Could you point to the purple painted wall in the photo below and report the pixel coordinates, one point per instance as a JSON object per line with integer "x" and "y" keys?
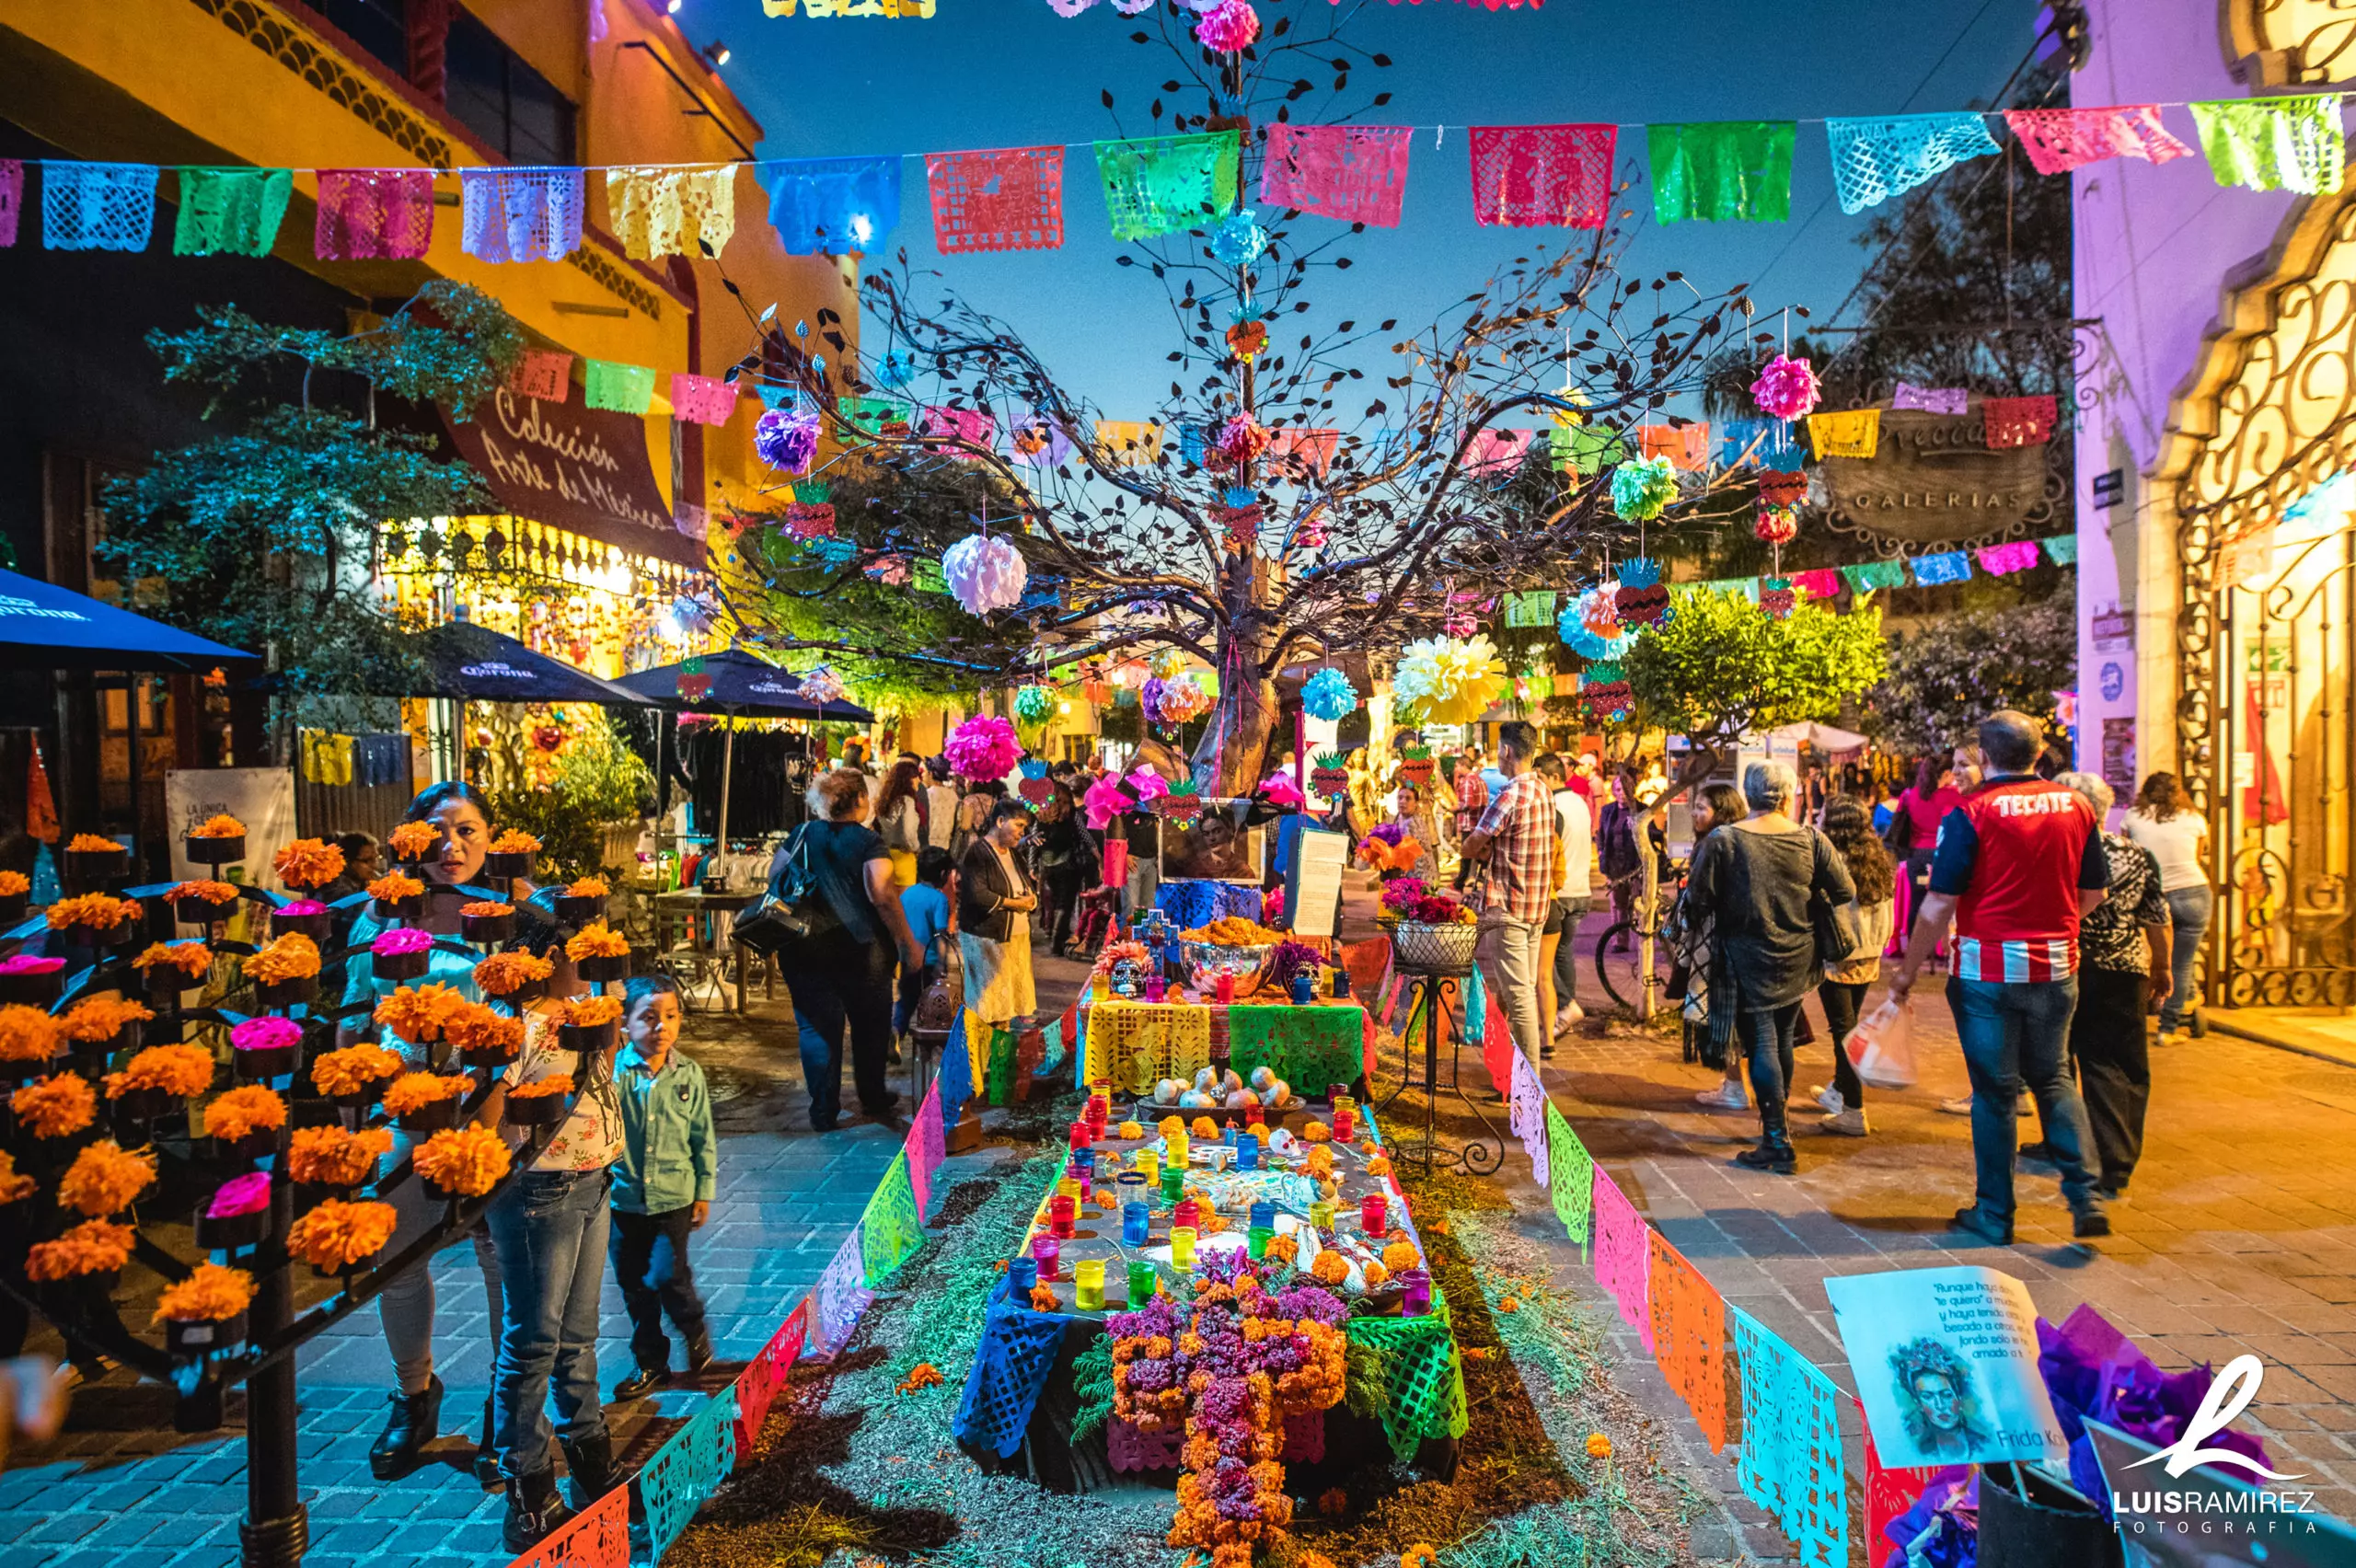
{"x": 2153, "y": 245}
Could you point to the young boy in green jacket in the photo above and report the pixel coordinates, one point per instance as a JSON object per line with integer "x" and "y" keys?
{"x": 664, "y": 1183}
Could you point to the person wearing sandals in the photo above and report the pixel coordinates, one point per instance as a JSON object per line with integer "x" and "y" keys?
{"x": 1715, "y": 806}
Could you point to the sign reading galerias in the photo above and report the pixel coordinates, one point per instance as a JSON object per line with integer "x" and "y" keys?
{"x": 1933, "y": 479}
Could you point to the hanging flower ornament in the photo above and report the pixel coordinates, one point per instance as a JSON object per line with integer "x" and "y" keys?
{"x": 821, "y": 686}
{"x": 1578, "y": 624}
{"x": 1600, "y": 610}
{"x": 1641, "y": 599}
{"x": 1184, "y": 700}
{"x": 983, "y": 747}
{"x": 1329, "y": 695}
{"x": 1787, "y": 387}
{"x": 897, "y": 368}
{"x": 1237, "y": 239}
{"x": 1605, "y": 690}
{"x": 1449, "y": 680}
{"x": 1246, "y": 338}
{"x": 1241, "y": 440}
{"x": 984, "y": 573}
{"x": 1777, "y": 525}
{"x": 1035, "y": 704}
{"x": 787, "y": 438}
{"x": 1228, "y": 26}
{"x": 1642, "y": 488}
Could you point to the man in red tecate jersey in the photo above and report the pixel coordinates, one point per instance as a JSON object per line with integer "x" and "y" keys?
{"x": 2018, "y": 862}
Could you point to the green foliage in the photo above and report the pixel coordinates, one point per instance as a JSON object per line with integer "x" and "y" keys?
{"x": 1092, "y": 1381}
{"x": 1943, "y": 678}
{"x": 1722, "y": 666}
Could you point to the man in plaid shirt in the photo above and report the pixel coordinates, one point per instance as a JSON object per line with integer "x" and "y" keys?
{"x": 1515, "y": 840}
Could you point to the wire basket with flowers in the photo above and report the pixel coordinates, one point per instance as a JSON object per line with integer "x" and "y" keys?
{"x": 1434, "y": 934}
{"x": 216, "y": 841}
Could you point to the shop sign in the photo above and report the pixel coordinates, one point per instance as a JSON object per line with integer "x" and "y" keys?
{"x": 2113, "y": 630}
{"x": 1934, "y": 480}
{"x": 580, "y": 469}
{"x": 2118, "y": 756}
{"x": 2110, "y": 488}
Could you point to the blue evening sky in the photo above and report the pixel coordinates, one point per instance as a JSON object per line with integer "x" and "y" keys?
{"x": 1011, "y": 72}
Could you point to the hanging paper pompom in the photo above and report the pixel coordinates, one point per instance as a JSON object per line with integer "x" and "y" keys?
{"x": 1183, "y": 700}
{"x": 1239, "y": 440}
{"x": 984, "y": 573}
{"x": 1150, "y": 698}
{"x": 982, "y": 748}
{"x": 1777, "y": 525}
{"x": 1309, "y": 535}
{"x": 1147, "y": 785}
{"x": 1641, "y": 600}
{"x": 1449, "y": 680}
{"x": 1246, "y": 338}
{"x": 1605, "y": 691}
{"x": 1582, "y": 641}
{"x": 897, "y": 368}
{"x": 1600, "y": 610}
{"x": 787, "y": 438}
{"x": 1104, "y": 801}
{"x": 1281, "y": 790}
{"x": 821, "y": 686}
{"x": 1329, "y": 695}
{"x": 1228, "y": 26}
{"x": 1787, "y": 387}
{"x": 1642, "y": 488}
{"x": 1035, "y": 704}
{"x": 1237, "y": 239}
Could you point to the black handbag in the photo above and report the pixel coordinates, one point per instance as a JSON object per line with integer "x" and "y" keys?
{"x": 794, "y": 912}
{"x": 1838, "y": 927}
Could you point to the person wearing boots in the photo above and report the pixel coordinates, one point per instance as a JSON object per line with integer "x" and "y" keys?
{"x": 1757, "y": 880}
{"x": 550, "y": 1226}
{"x": 664, "y": 1183}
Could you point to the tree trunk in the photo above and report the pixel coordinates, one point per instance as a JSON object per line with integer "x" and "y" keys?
{"x": 1236, "y": 745}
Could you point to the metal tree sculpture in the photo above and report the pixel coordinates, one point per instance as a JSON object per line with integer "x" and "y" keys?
{"x": 1252, "y": 520}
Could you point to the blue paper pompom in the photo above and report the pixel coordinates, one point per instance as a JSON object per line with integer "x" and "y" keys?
{"x": 1329, "y": 695}
{"x": 1239, "y": 239}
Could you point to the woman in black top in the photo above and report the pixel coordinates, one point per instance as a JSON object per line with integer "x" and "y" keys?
{"x": 1067, "y": 862}
{"x": 1757, "y": 880}
{"x": 844, "y": 976}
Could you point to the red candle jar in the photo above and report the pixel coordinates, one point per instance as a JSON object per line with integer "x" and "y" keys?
{"x": 1255, "y": 1115}
{"x": 1226, "y": 987}
{"x": 1373, "y": 1212}
{"x": 1082, "y": 1134}
{"x": 1100, "y": 1110}
{"x": 1187, "y": 1214}
{"x": 1063, "y": 1213}
{"x": 1345, "y": 1125}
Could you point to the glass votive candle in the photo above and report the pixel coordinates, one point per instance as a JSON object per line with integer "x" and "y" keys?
{"x": 1341, "y": 981}
{"x": 1247, "y": 1154}
{"x": 1226, "y": 990}
{"x": 1063, "y": 1214}
{"x": 1100, "y": 1109}
{"x": 1149, "y": 1165}
{"x": 1156, "y": 988}
{"x": 1045, "y": 1251}
{"x": 1088, "y": 1284}
{"x": 1264, "y": 1215}
{"x": 1070, "y": 1186}
{"x": 1416, "y": 1299}
{"x": 1174, "y": 1183}
{"x": 1082, "y": 1134}
{"x": 1188, "y": 1213}
{"x": 1182, "y": 1246}
{"x": 1321, "y": 1216}
{"x": 1083, "y": 1161}
{"x": 1143, "y": 1282}
{"x": 1256, "y": 1241}
{"x": 1023, "y": 1274}
{"x": 1345, "y": 1126}
{"x": 1136, "y": 1223}
{"x": 1374, "y": 1213}
{"x": 1339, "y": 1095}
{"x": 1181, "y": 1151}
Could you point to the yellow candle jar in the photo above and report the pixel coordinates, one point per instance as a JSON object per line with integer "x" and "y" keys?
{"x": 1182, "y": 1247}
{"x": 1088, "y": 1284}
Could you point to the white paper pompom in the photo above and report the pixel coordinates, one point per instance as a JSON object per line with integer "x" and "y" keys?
{"x": 985, "y": 575}
{"x": 822, "y": 685}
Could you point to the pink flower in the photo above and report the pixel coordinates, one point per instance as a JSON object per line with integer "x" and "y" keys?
{"x": 240, "y": 1194}
{"x": 982, "y": 748}
{"x": 265, "y": 1034}
{"x": 1787, "y": 387}
{"x": 302, "y": 906}
{"x": 406, "y": 940}
{"x": 30, "y": 964}
{"x": 1280, "y": 791}
{"x": 1228, "y": 26}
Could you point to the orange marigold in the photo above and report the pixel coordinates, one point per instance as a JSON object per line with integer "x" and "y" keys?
{"x": 1321, "y": 1161}
{"x": 1378, "y": 1165}
{"x": 1419, "y": 1556}
{"x": 485, "y": 908}
{"x": 1169, "y": 1125}
{"x": 211, "y": 891}
{"x": 337, "y": 1234}
{"x": 1042, "y": 1299}
{"x": 411, "y": 840}
{"x": 28, "y": 1034}
{"x": 93, "y": 844}
{"x": 597, "y": 941}
{"x": 307, "y": 862}
{"x": 584, "y": 1011}
{"x": 212, "y": 1293}
{"x": 923, "y": 1375}
{"x": 1329, "y": 1268}
{"x": 1377, "y": 1276}
{"x": 353, "y": 1069}
{"x": 99, "y": 911}
{"x": 249, "y": 1108}
{"x": 14, "y": 884}
{"x": 332, "y": 1157}
{"x": 1130, "y": 1130}
{"x": 191, "y": 958}
{"x": 1510, "y": 1304}
{"x": 183, "y": 1070}
{"x": 419, "y": 1013}
{"x": 283, "y": 958}
{"x": 104, "y": 1177}
{"x": 542, "y": 1088}
{"x": 587, "y": 887}
{"x": 1317, "y": 1133}
{"x": 514, "y": 841}
{"x": 101, "y": 1018}
{"x": 471, "y": 1026}
{"x": 1283, "y": 1249}
{"x": 93, "y": 1247}
{"x": 504, "y": 973}
{"x": 221, "y": 827}
{"x": 1599, "y": 1446}
{"x": 1400, "y": 1255}
{"x": 415, "y": 1091}
{"x": 12, "y": 1187}
{"x": 467, "y": 1160}
{"x": 53, "y": 1107}
{"x": 392, "y": 887}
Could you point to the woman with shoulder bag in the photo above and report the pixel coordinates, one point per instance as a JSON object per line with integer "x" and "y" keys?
{"x": 996, "y": 904}
{"x": 836, "y": 870}
{"x": 1769, "y": 883}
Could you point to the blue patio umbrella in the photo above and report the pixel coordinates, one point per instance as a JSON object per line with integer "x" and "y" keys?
{"x": 475, "y": 663}
{"x": 43, "y": 627}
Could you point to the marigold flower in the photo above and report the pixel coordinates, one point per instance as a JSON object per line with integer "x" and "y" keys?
{"x": 221, "y": 827}
{"x": 191, "y": 958}
{"x": 1377, "y": 1276}
{"x": 923, "y": 1375}
{"x": 503, "y": 973}
{"x": 1378, "y": 1165}
{"x": 1419, "y": 1556}
{"x": 333, "y": 1157}
{"x": 402, "y": 941}
{"x": 211, "y": 891}
{"x": 583, "y": 1012}
{"x": 289, "y": 956}
{"x": 1171, "y": 1126}
{"x": 1128, "y": 1130}
{"x": 415, "y": 1091}
{"x": 1283, "y": 1249}
{"x": 15, "y": 884}
{"x": 1329, "y": 1268}
{"x": 101, "y": 1018}
{"x": 337, "y": 1234}
{"x": 247, "y": 1109}
{"x": 352, "y": 1070}
{"x": 1203, "y": 1127}
{"x": 419, "y": 1013}
{"x": 307, "y": 862}
{"x": 393, "y": 886}
{"x": 1317, "y": 1133}
{"x": 587, "y": 887}
{"x": 53, "y": 1107}
{"x": 28, "y": 1034}
{"x": 471, "y": 1026}
{"x": 98, "y": 911}
{"x": 1321, "y": 1160}
{"x": 553, "y": 1085}
{"x": 514, "y": 841}
{"x": 93, "y": 844}
{"x": 597, "y": 941}
{"x": 93, "y": 1247}
{"x": 182, "y": 1070}
{"x": 1043, "y": 1299}
{"x": 212, "y": 1293}
{"x": 413, "y": 840}
{"x": 1599, "y": 1446}
{"x": 468, "y": 1160}
{"x": 104, "y": 1177}
{"x": 1510, "y": 1304}
{"x": 12, "y": 1187}
{"x": 1400, "y": 1256}
{"x": 485, "y": 909}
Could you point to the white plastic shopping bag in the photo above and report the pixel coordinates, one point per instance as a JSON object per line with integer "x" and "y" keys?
{"x": 1882, "y": 1046}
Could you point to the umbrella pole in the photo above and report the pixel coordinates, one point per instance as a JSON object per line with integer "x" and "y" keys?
{"x": 727, "y": 775}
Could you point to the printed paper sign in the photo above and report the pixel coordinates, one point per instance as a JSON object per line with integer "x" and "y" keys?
{"x": 1946, "y": 1364}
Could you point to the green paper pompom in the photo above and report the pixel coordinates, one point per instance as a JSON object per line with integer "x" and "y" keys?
{"x": 1035, "y": 704}
{"x": 1643, "y": 488}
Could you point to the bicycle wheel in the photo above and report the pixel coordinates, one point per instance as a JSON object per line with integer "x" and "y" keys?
{"x": 1622, "y": 979}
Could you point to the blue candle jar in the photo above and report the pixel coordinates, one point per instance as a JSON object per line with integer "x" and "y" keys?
{"x": 1137, "y": 1220}
{"x": 1263, "y": 1216}
{"x": 1022, "y": 1274}
{"x": 1247, "y": 1154}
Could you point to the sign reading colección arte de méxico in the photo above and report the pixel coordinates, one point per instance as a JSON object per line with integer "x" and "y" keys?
{"x": 580, "y": 469}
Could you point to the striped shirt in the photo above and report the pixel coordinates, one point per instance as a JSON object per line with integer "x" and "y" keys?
{"x": 2015, "y": 855}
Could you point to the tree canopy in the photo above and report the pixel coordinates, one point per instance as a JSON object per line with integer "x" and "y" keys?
{"x": 1946, "y": 677}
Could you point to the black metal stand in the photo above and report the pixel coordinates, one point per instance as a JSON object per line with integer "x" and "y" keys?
{"x": 1476, "y": 1156}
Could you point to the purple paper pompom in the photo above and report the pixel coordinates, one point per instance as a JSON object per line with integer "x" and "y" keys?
{"x": 787, "y": 438}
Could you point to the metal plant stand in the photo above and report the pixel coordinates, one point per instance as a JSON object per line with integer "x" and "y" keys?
{"x": 1477, "y": 1155}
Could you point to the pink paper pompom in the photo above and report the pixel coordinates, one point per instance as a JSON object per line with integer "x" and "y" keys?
{"x": 1228, "y": 26}
{"x": 1279, "y": 789}
{"x": 1787, "y": 387}
{"x": 266, "y": 1034}
{"x": 1148, "y": 785}
{"x": 982, "y": 748}
{"x": 1105, "y": 801}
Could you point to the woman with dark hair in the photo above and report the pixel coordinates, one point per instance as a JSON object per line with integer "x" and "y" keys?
{"x": 1842, "y": 990}
{"x": 1068, "y": 855}
{"x": 841, "y": 978}
{"x": 899, "y": 820}
{"x": 2164, "y": 824}
{"x": 1915, "y": 830}
{"x": 1715, "y": 806}
{"x": 995, "y": 903}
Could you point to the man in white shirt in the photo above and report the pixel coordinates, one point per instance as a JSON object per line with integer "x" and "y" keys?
{"x": 939, "y": 805}
{"x": 1575, "y": 821}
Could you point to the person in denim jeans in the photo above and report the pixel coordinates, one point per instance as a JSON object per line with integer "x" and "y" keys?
{"x": 551, "y": 1227}
{"x": 2018, "y": 862}
{"x": 2177, "y": 836}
